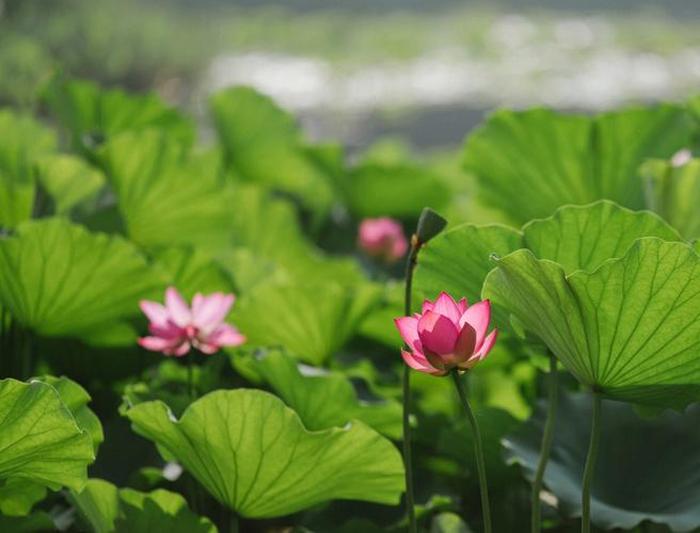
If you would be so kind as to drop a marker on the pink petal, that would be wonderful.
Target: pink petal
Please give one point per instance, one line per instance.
(427, 306)
(181, 350)
(464, 348)
(437, 333)
(418, 362)
(399, 247)
(408, 328)
(209, 311)
(446, 306)
(462, 305)
(167, 346)
(177, 307)
(478, 316)
(155, 312)
(169, 330)
(488, 343)
(225, 335)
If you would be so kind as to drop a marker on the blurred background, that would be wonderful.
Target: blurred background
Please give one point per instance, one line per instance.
(355, 71)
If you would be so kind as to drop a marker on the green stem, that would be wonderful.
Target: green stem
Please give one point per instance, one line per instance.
(546, 446)
(590, 465)
(478, 451)
(190, 379)
(408, 466)
(233, 523)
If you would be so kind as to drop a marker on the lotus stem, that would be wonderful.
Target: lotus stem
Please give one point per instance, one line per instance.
(589, 469)
(478, 452)
(546, 446)
(408, 466)
(190, 378)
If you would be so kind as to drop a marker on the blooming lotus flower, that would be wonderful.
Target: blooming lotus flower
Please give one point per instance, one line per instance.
(176, 328)
(382, 237)
(446, 335)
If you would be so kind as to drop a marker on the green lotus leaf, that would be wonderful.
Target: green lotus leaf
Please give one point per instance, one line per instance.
(253, 454)
(18, 496)
(57, 278)
(105, 509)
(576, 237)
(324, 399)
(22, 142)
(91, 114)
(528, 163)
(263, 144)
(40, 439)
(399, 190)
(449, 523)
(642, 471)
(311, 321)
(674, 193)
(76, 398)
(38, 521)
(166, 195)
(192, 270)
(269, 228)
(629, 329)
(69, 180)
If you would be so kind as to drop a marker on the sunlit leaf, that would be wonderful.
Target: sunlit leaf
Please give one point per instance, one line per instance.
(165, 194)
(69, 180)
(98, 504)
(18, 496)
(59, 279)
(630, 329)
(642, 471)
(191, 270)
(253, 454)
(311, 321)
(528, 163)
(263, 144)
(324, 399)
(41, 440)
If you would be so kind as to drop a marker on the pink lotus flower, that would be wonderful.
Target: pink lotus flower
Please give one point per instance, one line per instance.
(447, 335)
(382, 237)
(176, 328)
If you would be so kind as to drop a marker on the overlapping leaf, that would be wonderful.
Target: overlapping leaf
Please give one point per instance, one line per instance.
(630, 329)
(69, 180)
(165, 194)
(311, 321)
(253, 454)
(643, 470)
(528, 163)
(59, 279)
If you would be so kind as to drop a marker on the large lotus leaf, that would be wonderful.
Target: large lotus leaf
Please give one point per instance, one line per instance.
(262, 143)
(576, 237)
(18, 496)
(105, 508)
(582, 238)
(645, 468)
(40, 438)
(398, 190)
(325, 399)
(528, 163)
(270, 229)
(92, 114)
(22, 142)
(253, 454)
(38, 521)
(76, 398)
(165, 194)
(311, 321)
(192, 270)
(59, 279)
(629, 329)
(69, 180)
(674, 193)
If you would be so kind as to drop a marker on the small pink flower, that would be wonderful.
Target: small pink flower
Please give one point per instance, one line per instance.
(382, 237)
(447, 335)
(176, 328)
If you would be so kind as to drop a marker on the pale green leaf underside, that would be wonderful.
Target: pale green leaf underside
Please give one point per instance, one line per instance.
(310, 321)
(631, 328)
(528, 163)
(325, 399)
(253, 454)
(69, 180)
(59, 279)
(39, 438)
